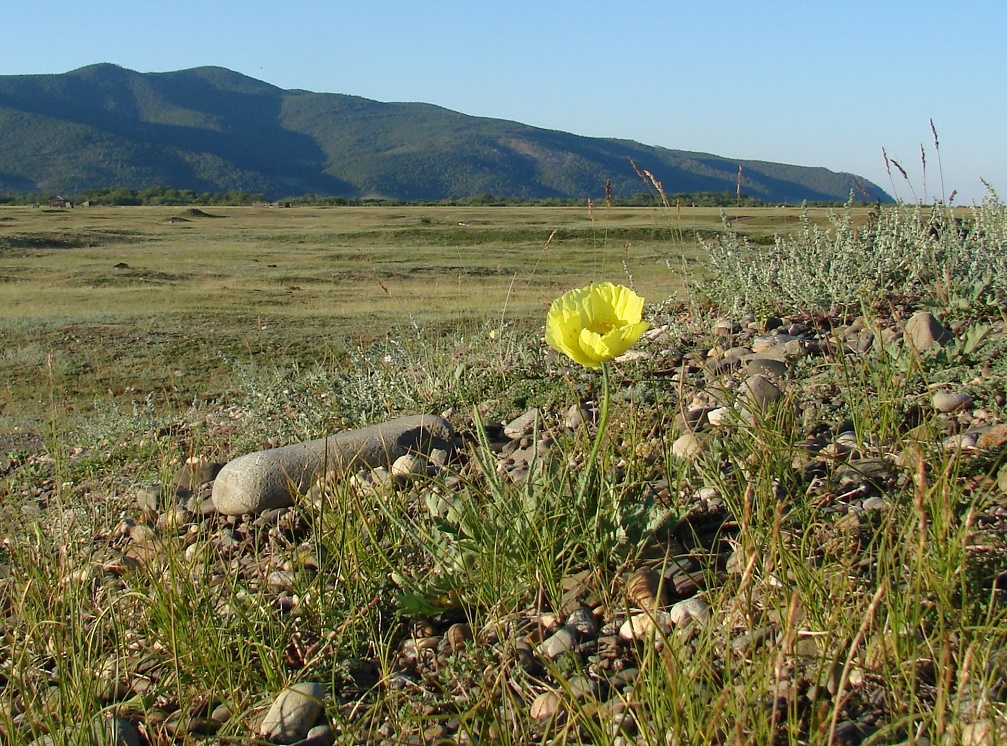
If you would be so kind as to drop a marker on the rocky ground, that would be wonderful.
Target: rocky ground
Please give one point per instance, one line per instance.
(586, 658)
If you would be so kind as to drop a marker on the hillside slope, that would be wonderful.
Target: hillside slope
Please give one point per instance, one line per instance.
(211, 129)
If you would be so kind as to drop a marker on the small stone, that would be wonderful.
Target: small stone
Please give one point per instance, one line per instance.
(875, 503)
(108, 730)
(994, 436)
(946, 402)
(960, 442)
(696, 608)
(980, 733)
(523, 425)
(293, 713)
(687, 447)
(581, 687)
(194, 472)
(759, 391)
(584, 623)
(546, 706)
(409, 465)
(767, 366)
(926, 332)
(644, 626)
(718, 417)
(576, 416)
(320, 735)
(564, 639)
(148, 498)
(457, 635)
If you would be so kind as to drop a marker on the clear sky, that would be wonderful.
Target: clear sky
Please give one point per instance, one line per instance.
(805, 82)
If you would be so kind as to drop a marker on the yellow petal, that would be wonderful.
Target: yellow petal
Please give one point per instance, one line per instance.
(596, 323)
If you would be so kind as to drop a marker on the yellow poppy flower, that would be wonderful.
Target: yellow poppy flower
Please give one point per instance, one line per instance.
(594, 324)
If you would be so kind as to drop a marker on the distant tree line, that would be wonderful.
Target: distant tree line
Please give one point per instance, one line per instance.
(165, 195)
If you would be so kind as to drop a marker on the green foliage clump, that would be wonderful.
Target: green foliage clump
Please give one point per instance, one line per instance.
(902, 253)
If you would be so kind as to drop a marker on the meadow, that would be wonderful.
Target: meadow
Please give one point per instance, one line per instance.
(126, 302)
(778, 519)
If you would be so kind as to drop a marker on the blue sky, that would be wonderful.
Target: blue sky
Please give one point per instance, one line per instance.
(810, 83)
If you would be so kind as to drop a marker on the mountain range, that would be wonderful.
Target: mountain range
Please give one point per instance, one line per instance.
(210, 129)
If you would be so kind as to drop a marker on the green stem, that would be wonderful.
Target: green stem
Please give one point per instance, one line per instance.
(588, 473)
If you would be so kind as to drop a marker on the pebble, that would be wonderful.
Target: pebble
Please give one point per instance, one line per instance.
(695, 608)
(925, 332)
(546, 706)
(561, 641)
(108, 730)
(758, 391)
(687, 447)
(523, 425)
(293, 713)
(946, 403)
(646, 625)
(767, 366)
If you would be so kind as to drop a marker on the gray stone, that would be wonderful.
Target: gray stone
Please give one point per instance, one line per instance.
(759, 392)
(269, 479)
(924, 331)
(694, 608)
(767, 366)
(293, 713)
(148, 498)
(523, 425)
(947, 402)
(564, 639)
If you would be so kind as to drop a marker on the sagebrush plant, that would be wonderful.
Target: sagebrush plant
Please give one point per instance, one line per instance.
(950, 256)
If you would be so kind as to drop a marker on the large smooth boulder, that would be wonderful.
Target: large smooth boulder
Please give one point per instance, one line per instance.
(269, 479)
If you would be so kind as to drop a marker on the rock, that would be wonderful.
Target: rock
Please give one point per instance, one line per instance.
(980, 733)
(645, 589)
(694, 608)
(759, 392)
(148, 498)
(523, 425)
(693, 419)
(409, 465)
(576, 416)
(687, 447)
(946, 403)
(194, 472)
(767, 366)
(584, 623)
(269, 479)
(994, 436)
(546, 706)
(960, 442)
(564, 639)
(457, 635)
(320, 735)
(926, 332)
(293, 713)
(646, 625)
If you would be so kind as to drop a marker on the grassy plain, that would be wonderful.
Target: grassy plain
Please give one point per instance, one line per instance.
(124, 302)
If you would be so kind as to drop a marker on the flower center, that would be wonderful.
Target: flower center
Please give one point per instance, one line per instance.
(602, 327)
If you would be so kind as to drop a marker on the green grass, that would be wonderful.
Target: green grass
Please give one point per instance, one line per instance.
(820, 616)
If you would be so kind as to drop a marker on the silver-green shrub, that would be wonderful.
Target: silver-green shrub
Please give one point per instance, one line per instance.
(914, 252)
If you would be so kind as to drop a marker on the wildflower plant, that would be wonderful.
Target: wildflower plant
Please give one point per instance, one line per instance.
(593, 325)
